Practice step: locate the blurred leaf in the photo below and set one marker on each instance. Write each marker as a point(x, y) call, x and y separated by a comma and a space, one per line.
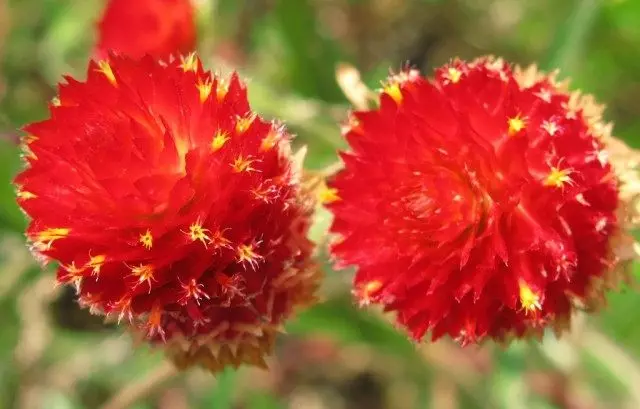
point(10, 216)
point(572, 37)
point(311, 57)
point(221, 397)
point(508, 387)
point(264, 401)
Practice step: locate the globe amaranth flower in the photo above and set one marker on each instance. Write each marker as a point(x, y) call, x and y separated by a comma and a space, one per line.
point(482, 203)
point(168, 203)
point(157, 27)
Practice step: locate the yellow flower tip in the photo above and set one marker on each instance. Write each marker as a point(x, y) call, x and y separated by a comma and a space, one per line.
point(144, 273)
point(44, 239)
point(55, 101)
point(529, 299)
point(25, 195)
point(558, 177)
point(146, 239)
point(394, 91)
point(242, 164)
point(219, 139)
point(198, 233)
point(269, 141)
point(204, 89)
point(328, 195)
point(516, 124)
point(95, 263)
point(247, 254)
point(221, 89)
point(367, 291)
point(243, 123)
point(453, 75)
point(189, 63)
point(105, 68)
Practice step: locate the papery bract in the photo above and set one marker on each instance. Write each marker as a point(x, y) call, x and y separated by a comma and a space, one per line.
point(169, 204)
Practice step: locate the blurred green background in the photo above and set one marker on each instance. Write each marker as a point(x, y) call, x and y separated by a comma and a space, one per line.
point(53, 355)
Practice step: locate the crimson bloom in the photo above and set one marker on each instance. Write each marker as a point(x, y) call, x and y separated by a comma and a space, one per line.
point(169, 204)
point(480, 204)
point(157, 27)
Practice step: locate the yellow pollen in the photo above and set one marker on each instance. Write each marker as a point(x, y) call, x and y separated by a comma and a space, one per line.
point(530, 301)
point(219, 140)
point(558, 177)
point(189, 63)
point(453, 75)
point(393, 90)
point(105, 68)
point(146, 239)
point(269, 141)
point(244, 123)
point(516, 124)
point(241, 164)
point(204, 88)
point(55, 101)
point(45, 238)
point(328, 195)
point(95, 263)
point(25, 195)
point(246, 254)
point(197, 232)
point(144, 272)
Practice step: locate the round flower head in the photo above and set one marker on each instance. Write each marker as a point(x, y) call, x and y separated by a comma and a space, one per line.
point(169, 204)
point(139, 27)
point(479, 204)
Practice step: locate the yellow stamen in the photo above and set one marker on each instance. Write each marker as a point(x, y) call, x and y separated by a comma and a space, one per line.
point(144, 272)
point(367, 291)
point(55, 101)
point(95, 263)
point(45, 238)
point(146, 239)
point(244, 123)
point(558, 177)
point(328, 195)
point(105, 68)
point(393, 90)
point(269, 141)
point(246, 254)
point(204, 88)
point(516, 124)
point(189, 63)
point(453, 75)
point(529, 300)
point(25, 195)
point(197, 232)
point(221, 89)
point(219, 139)
point(242, 164)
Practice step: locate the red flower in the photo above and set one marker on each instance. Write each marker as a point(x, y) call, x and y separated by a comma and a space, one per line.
point(139, 27)
point(476, 205)
point(169, 204)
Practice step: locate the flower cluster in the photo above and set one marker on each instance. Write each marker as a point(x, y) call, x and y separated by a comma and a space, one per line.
point(169, 204)
point(480, 203)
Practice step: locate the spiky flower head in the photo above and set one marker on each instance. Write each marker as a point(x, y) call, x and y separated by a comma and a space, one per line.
point(480, 203)
point(157, 27)
point(169, 204)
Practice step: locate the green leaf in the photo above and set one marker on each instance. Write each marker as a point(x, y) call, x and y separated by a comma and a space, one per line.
point(264, 401)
